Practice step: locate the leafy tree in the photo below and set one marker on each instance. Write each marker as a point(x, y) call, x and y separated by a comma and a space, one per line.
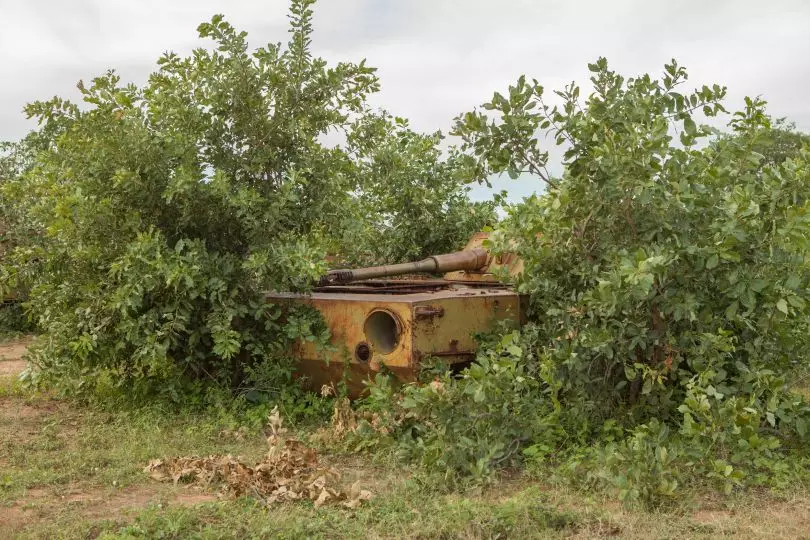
point(158, 216)
point(14, 159)
point(668, 276)
point(783, 141)
point(411, 202)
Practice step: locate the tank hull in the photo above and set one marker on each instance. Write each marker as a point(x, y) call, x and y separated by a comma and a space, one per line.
point(398, 324)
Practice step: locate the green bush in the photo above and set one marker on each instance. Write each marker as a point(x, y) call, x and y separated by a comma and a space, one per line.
point(410, 201)
point(467, 427)
point(668, 276)
point(147, 224)
point(13, 321)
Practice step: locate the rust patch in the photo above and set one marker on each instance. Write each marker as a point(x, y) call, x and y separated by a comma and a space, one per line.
point(438, 320)
point(428, 312)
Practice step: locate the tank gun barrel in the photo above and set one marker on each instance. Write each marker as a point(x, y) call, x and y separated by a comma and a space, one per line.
point(473, 259)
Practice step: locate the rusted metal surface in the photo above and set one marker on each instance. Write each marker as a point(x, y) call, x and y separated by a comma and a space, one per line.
point(433, 323)
point(428, 312)
point(472, 259)
point(507, 263)
point(399, 323)
point(402, 286)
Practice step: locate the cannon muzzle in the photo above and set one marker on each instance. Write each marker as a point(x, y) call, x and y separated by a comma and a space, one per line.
point(473, 259)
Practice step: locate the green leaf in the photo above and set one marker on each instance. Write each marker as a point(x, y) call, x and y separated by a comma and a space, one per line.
point(796, 301)
point(515, 351)
point(801, 427)
point(689, 126)
point(782, 306)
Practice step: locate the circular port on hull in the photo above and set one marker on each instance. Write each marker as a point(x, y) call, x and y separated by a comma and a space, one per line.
point(382, 331)
point(362, 352)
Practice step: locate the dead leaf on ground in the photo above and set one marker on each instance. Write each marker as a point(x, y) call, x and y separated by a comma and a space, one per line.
point(346, 421)
point(288, 472)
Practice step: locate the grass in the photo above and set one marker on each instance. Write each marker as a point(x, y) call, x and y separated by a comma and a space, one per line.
point(48, 443)
point(68, 467)
point(72, 471)
point(403, 514)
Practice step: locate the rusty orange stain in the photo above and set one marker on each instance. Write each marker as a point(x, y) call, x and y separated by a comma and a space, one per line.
point(430, 317)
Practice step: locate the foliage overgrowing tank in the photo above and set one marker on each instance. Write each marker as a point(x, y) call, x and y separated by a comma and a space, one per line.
point(375, 320)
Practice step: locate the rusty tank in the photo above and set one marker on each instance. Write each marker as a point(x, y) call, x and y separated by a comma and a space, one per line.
point(377, 320)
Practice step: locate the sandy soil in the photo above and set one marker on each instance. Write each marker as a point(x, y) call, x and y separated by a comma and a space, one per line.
point(11, 352)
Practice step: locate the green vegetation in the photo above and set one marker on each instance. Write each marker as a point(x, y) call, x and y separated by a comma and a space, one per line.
point(669, 297)
point(667, 273)
point(147, 225)
point(72, 471)
point(13, 321)
point(90, 457)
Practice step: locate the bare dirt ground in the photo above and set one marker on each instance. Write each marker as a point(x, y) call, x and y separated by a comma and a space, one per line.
point(44, 504)
point(11, 362)
point(22, 421)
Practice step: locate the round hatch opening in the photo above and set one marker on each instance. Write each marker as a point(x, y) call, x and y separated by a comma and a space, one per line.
point(362, 351)
point(382, 331)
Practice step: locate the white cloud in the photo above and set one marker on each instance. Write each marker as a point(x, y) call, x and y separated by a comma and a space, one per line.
point(436, 58)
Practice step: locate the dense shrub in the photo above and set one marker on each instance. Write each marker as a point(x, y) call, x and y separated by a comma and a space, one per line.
point(13, 321)
point(410, 200)
point(668, 276)
point(467, 427)
point(149, 221)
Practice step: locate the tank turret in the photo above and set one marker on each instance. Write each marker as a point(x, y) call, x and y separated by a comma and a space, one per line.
point(382, 316)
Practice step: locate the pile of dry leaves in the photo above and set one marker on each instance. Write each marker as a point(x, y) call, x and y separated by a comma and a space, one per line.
point(347, 421)
point(288, 472)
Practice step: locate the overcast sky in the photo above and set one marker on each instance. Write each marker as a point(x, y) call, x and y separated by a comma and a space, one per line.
point(436, 58)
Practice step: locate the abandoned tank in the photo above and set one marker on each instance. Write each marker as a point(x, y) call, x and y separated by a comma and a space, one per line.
point(375, 320)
